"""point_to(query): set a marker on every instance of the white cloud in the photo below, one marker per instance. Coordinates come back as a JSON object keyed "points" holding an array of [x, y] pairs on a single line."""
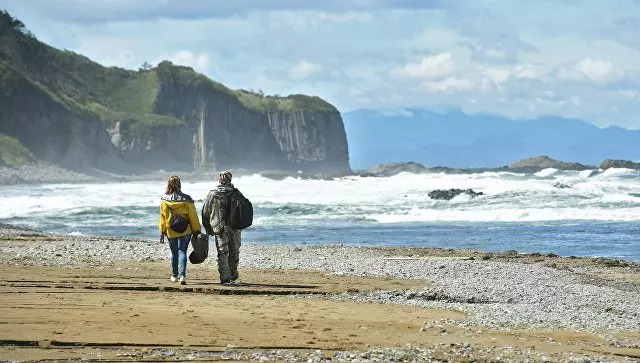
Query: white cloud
{"points": [[448, 85], [440, 39], [497, 75], [355, 91], [432, 67], [524, 71], [599, 70], [395, 112], [199, 62], [496, 58], [304, 69]]}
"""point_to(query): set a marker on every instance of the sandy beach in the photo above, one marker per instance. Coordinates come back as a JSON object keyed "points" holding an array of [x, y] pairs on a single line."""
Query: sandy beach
{"points": [[110, 299]]}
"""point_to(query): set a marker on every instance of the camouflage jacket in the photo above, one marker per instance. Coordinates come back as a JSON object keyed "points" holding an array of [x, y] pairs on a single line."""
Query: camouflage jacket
{"points": [[214, 210]]}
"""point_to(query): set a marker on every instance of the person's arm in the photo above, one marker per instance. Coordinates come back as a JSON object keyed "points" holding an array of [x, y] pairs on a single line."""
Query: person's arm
{"points": [[193, 219], [162, 225], [206, 214]]}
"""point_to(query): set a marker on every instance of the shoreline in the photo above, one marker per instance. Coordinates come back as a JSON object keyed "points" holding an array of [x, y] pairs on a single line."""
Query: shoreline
{"points": [[44, 173], [504, 296]]}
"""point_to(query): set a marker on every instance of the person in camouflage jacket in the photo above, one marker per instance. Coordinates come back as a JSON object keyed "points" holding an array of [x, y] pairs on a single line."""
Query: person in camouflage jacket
{"points": [[214, 219]]}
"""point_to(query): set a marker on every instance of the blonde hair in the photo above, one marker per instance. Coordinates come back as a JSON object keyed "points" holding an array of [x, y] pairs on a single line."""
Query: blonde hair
{"points": [[173, 185], [225, 177]]}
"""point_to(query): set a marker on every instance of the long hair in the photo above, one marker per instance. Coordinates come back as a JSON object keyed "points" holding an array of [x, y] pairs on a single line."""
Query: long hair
{"points": [[173, 185]]}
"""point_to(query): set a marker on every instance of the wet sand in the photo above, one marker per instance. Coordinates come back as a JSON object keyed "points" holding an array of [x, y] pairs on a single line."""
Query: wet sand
{"points": [[129, 311]]}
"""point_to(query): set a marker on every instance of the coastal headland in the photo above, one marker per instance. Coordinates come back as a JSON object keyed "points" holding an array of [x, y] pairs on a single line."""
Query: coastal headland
{"points": [[109, 298]]}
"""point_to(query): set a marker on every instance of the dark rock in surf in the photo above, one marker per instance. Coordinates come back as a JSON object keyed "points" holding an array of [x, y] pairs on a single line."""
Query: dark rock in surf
{"points": [[452, 193], [561, 185]]}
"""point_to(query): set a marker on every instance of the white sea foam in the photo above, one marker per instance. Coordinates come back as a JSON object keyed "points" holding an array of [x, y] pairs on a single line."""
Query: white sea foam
{"points": [[618, 171], [587, 173], [546, 172], [397, 199]]}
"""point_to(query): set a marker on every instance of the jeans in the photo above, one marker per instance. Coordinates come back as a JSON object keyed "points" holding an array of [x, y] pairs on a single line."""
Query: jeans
{"points": [[179, 255]]}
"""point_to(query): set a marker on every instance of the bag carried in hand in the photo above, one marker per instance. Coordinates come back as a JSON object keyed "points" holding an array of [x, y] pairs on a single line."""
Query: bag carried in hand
{"points": [[177, 222], [240, 211], [200, 249]]}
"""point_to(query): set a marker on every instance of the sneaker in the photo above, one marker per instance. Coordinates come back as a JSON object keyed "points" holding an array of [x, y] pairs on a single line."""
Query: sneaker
{"points": [[174, 279], [183, 280]]}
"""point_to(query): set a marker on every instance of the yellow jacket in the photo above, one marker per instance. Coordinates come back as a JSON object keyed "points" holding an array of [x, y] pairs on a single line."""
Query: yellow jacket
{"points": [[183, 205]]}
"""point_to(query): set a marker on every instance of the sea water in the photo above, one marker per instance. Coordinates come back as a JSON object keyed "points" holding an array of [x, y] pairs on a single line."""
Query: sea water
{"points": [[599, 215]]}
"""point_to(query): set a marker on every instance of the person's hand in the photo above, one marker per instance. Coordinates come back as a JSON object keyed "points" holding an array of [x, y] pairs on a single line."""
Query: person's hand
{"points": [[161, 237]]}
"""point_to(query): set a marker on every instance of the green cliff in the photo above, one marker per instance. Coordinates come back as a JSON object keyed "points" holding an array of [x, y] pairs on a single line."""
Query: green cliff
{"points": [[71, 111]]}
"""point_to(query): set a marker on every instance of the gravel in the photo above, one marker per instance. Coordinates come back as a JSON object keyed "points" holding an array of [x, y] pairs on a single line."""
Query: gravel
{"points": [[438, 353], [497, 295]]}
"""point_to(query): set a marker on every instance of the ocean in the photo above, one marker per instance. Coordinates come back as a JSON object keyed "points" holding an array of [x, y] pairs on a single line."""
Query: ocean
{"points": [[599, 215]]}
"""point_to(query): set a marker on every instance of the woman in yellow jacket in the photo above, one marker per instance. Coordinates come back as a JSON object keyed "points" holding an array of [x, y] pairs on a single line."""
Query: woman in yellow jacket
{"points": [[178, 221]]}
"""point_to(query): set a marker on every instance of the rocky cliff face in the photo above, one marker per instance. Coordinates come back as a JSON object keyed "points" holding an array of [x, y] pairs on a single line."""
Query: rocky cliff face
{"points": [[51, 128], [225, 133], [311, 140]]}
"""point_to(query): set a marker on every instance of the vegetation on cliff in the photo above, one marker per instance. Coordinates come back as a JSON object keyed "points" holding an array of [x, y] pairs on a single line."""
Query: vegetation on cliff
{"points": [[13, 153]]}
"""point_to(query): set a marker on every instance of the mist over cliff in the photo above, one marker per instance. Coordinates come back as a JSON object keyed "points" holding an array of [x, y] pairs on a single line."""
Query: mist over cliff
{"points": [[61, 107]]}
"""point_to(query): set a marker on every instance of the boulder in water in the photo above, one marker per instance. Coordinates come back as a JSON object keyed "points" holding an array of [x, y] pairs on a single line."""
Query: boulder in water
{"points": [[561, 185], [623, 164], [449, 194]]}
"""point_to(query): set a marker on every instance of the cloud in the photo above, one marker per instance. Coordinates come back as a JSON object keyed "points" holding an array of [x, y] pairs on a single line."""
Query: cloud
{"points": [[432, 67], [125, 10], [304, 69], [599, 70], [492, 56], [448, 85], [199, 62]]}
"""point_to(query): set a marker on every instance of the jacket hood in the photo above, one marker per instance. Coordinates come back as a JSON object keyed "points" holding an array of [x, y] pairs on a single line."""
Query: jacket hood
{"points": [[178, 197], [222, 189]]}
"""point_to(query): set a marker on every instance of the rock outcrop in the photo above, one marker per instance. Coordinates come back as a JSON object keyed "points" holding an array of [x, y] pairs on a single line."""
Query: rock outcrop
{"points": [[394, 169], [538, 163], [625, 164], [452, 193]]}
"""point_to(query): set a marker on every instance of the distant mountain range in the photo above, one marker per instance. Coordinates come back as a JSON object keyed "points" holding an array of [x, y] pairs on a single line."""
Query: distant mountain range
{"points": [[459, 140]]}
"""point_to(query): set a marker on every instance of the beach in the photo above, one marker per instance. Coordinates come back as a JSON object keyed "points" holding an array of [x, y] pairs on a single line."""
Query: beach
{"points": [[110, 298]]}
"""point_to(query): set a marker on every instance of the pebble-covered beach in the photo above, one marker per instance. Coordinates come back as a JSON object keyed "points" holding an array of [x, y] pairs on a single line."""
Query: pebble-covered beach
{"points": [[496, 292]]}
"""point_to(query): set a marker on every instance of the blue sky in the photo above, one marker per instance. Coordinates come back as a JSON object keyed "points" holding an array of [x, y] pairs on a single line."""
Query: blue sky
{"points": [[514, 58]]}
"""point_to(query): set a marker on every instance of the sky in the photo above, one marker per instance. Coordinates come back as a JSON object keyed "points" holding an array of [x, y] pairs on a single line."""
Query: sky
{"points": [[515, 58]]}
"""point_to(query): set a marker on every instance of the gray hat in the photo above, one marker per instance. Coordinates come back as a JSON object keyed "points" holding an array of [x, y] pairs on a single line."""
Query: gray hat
{"points": [[225, 177]]}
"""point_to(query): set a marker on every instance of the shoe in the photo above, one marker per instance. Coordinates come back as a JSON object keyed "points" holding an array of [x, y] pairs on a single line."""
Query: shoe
{"points": [[225, 282], [174, 279], [183, 280]]}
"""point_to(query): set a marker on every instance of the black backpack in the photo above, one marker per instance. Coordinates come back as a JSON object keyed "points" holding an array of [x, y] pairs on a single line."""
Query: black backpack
{"points": [[177, 222], [240, 213]]}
